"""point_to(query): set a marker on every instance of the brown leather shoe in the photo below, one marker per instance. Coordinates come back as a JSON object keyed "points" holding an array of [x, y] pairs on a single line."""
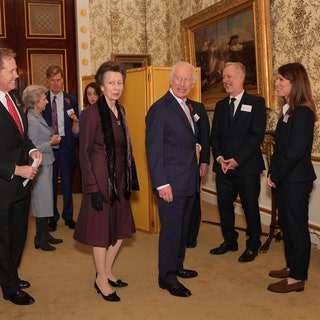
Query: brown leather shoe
{"points": [[283, 286], [283, 273]]}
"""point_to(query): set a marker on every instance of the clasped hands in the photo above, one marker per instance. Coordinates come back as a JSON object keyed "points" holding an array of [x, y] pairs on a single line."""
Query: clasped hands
{"points": [[270, 182], [228, 164]]}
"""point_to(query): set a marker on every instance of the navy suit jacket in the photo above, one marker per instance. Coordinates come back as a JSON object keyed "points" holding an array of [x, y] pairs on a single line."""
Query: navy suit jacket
{"points": [[291, 160], [171, 147], [242, 138], [70, 102]]}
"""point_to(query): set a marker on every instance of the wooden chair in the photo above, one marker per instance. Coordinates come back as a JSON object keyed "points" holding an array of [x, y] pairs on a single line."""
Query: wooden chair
{"points": [[274, 229]]}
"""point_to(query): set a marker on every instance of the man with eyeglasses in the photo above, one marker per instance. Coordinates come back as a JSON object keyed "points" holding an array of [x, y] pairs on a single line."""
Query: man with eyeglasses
{"points": [[58, 114]]}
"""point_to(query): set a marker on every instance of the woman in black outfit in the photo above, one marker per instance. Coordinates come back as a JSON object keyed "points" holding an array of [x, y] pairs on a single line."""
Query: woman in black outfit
{"points": [[291, 173]]}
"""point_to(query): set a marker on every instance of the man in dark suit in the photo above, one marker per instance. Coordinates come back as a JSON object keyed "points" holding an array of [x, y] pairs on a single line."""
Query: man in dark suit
{"points": [[64, 104], [15, 150], [237, 132], [173, 155], [200, 116]]}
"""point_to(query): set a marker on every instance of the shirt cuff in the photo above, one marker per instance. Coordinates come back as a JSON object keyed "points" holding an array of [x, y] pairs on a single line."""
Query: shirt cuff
{"points": [[165, 185]]}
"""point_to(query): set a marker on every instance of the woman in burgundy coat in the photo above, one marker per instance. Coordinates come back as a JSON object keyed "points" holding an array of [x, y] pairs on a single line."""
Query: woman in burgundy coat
{"points": [[108, 176]]}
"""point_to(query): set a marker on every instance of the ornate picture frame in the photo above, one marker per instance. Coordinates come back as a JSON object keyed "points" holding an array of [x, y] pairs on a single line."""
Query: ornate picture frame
{"points": [[132, 60], [230, 30]]}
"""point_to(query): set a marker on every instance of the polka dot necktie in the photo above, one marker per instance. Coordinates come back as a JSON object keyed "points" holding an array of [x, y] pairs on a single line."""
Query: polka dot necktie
{"points": [[14, 113]]}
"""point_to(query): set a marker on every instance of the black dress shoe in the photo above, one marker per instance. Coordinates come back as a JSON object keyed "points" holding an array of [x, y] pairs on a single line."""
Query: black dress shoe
{"points": [[118, 283], [185, 273], [19, 297], [112, 297], [70, 223], [248, 256], [225, 247], [52, 226], [177, 289], [22, 284], [191, 243]]}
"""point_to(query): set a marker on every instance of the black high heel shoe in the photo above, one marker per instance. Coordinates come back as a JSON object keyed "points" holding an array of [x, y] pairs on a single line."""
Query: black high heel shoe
{"points": [[110, 297], [118, 283], [53, 240]]}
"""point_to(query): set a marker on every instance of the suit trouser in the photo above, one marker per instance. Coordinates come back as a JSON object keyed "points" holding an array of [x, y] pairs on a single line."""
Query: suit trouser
{"points": [[248, 188], [175, 221], [293, 207], [14, 218], [63, 166], [195, 219]]}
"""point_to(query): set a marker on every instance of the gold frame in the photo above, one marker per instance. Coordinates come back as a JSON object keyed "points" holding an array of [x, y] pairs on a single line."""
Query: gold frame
{"points": [[132, 60], [2, 20], [222, 11]]}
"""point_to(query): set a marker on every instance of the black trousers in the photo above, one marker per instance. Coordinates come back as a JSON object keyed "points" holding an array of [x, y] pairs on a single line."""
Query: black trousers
{"points": [[14, 216], [293, 211], [248, 188]]}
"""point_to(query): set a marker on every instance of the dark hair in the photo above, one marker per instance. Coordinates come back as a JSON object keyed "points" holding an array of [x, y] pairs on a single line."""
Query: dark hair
{"points": [[96, 88], [6, 53], [54, 70], [109, 66], [300, 93]]}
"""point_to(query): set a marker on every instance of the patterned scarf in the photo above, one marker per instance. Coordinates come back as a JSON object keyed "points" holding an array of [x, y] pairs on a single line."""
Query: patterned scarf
{"points": [[131, 179]]}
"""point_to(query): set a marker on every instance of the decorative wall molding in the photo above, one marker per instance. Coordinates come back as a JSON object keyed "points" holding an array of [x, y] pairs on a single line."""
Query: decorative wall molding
{"points": [[153, 27]]}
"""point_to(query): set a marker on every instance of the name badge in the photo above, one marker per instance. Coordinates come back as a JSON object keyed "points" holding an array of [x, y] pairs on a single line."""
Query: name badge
{"points": [[70, 112], [246, 108], [196, 117]]}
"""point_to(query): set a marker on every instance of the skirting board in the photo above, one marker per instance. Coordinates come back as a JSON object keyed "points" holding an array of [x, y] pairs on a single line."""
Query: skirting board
{"points": [[210, 196]]}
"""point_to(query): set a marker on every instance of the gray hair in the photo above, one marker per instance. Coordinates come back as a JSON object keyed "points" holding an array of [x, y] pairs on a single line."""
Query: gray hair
{"points": [[237, 65], [183, 63], [32, 94]]}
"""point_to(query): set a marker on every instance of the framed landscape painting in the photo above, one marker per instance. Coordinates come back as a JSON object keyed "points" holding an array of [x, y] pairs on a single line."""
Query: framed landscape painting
{"points": [[230, 30]]}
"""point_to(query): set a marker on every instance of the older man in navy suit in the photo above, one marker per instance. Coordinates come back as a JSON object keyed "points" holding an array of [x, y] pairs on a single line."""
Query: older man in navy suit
{"points": [[57, 114], [237, 131], [173, 155]]}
